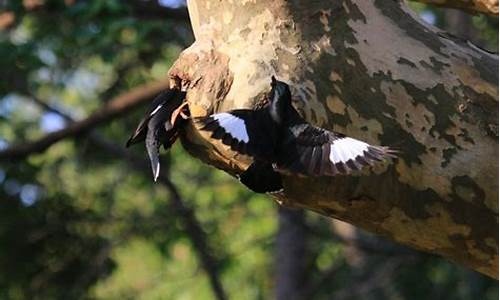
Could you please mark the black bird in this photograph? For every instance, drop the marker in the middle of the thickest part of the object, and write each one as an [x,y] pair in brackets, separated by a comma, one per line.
[281,141]
[160,126]
[261,177]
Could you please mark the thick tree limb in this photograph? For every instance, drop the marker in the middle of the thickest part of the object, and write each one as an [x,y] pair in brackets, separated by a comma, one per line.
[371,70]
[115,108]
[473,6]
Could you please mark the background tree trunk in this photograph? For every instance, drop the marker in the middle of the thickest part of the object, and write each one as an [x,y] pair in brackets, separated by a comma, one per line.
[371,70]
[291,249]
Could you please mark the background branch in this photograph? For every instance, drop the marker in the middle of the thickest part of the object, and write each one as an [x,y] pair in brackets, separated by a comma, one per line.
[432,97]
[489,7]
[115,108]
[192,226]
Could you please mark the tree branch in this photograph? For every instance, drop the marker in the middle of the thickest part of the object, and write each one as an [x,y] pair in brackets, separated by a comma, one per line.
[489,7]
[373,71]
[151,9]
[114,109]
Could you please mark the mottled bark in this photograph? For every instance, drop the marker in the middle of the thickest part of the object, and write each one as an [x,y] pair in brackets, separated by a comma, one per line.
[473,6]
[371,70]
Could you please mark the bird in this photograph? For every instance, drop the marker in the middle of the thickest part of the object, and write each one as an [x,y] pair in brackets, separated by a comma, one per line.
[160,125]
[282,142]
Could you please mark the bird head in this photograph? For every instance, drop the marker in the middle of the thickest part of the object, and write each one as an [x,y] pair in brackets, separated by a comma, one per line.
[280,99]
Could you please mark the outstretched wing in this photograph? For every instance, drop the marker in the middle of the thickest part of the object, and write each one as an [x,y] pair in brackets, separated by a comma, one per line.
[318,152]
[243,130]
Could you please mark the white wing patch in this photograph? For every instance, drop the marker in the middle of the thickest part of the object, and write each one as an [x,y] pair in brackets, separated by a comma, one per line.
[157,173]
[343,150]
[233,126]
[156,109]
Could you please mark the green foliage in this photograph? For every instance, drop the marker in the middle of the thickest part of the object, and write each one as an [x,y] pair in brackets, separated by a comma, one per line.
[480,29]
[79,222]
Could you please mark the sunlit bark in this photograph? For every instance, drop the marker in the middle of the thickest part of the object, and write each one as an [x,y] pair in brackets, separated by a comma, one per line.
[371,70]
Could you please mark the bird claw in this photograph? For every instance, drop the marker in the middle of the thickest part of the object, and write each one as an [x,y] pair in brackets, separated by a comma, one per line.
[178,111]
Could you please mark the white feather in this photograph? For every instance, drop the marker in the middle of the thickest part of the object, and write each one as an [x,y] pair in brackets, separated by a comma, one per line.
[343,150]
[233,126]
[156,109]
[157,173]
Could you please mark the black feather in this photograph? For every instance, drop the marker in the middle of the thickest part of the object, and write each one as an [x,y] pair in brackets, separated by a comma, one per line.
[169,100]
[260,177]
[278,135]
[156,127]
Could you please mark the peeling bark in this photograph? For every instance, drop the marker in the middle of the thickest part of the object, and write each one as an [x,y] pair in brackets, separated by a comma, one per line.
[371,70]
[474,6]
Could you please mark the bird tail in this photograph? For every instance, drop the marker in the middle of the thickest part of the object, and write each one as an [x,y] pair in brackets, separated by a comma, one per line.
[136,137]
[153,149]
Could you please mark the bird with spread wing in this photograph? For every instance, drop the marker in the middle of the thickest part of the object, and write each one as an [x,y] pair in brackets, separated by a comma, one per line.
[281,141]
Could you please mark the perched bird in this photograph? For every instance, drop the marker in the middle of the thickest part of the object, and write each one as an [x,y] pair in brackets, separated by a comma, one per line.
[160,125]
[281,141]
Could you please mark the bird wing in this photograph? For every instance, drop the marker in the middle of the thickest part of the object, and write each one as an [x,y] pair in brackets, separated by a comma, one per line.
[243,130]
[315,151]
[163,99]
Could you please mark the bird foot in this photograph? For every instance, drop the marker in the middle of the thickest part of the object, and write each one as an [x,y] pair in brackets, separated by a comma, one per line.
[179,111]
